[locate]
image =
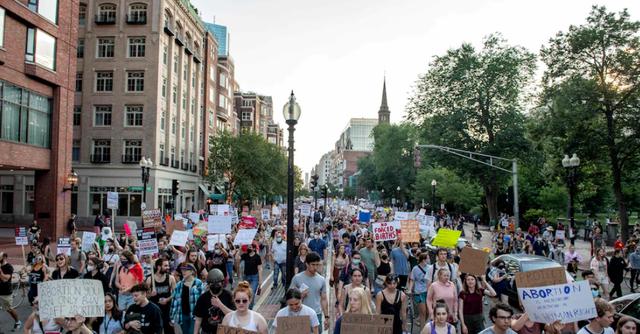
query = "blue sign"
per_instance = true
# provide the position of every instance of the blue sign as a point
(364, 216)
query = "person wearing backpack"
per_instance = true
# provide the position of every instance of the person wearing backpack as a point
(442, 263)
(418, 285)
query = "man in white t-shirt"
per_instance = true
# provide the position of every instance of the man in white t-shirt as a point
(279, 253)
(500, 315)
(604, 318)
(295, 308)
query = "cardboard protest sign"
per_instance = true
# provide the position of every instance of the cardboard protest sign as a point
(541, 277)
(194, 217)
(219, 224)
(233, 330)
(152, 218)
(560, 234)
(446, 238)
(410, 231)
(21, 236)
(305, 210)
(384, 231)
(71, 297)
(64, 246)
(292, 325)
(355, 323)
(245, 237)
(473, 261)
(213, 239)
(569, 302)
(364, 216)
(179, 238)
(175, 225)
(88, 238)
(265, 214)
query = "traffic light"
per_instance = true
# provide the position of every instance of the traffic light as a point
(325, 190)
(314, 181)
(175, 187)
(417, 158)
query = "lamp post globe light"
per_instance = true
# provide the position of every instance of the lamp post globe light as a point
(433, 196)
(571, 164)
(291, 113)
(145, 165)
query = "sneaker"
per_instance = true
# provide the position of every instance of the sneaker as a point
(17, 325)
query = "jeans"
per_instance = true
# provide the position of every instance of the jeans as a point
(253, 282)
(320, 318)
(230, 272)
(187, 324)
(124, 300)
(279, 268)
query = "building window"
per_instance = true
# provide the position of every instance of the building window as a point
(80, 48)
(165, 55)
(82, 14)
(133, 115)
(132, 150)
(222, 101)
(136, 47)
(107, 13)
(101, 150)
(106, 47)
(47, 8)
(162, 118)
(41, 48)
(104, 81)
(164, 87)
(6, 199)
(77, 115)
(185, 70)
(75, 150)
(175, 63)
(26, 116)
(1, 26)
(183, 132)
(135, 81)
(246, 116)
(138, 12)
(173, 153)
(78, 82)
(223, 80)
(184, 100)
(211, 118)
(174, 94)
(191, 134)
(193, 107)
(212, 94)
(102, 115)
(173, 125)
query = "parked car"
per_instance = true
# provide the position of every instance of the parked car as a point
(627, 305)
(516, 263)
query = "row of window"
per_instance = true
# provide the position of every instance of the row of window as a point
(107, 13)
(102, 115)
(40, 46)
(104, 81)
(25, 116)
(106, 46)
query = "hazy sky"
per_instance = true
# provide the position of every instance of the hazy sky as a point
(334, 53)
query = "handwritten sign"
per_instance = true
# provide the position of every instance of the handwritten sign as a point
(245, 237)
(112, 200)
(410, 231)
(213, 239)
(473, 261)
(152, 218)
(275, 211)
(384, 231)
(400, 216)
(179, 238)
(64, 246)
(446, 238)
(541, 277)
(247, 223)
(569, 302)
(305, 210)
(71, 297)
(265, 214)
(233, 330)
(292, 325)
(354, 323)
(88, 238)
(194, 217)
(219, 224)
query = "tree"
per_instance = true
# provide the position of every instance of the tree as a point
(474, 100)
(457, 194)
(593, 79)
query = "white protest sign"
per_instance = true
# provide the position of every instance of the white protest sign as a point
(194, 217)
(560, 234)
(219, 224)
(265, 214)
(223, 210)
(22, 241)
(384, 231)
(422, 212)
(275, 211)
(178, 216)
(112, 200)
(401, 216)
(179, 238)
(305, 210)
(213, 239)
(569, 302)
(64, 246)
(148, 247)
(245, 237)
(71, 297)
(88, 238)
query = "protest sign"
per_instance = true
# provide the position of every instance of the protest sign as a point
(179, 238)
(213, 239)
(88, 238)
(219, 224)
(22, 241)
(112, 200)
(560, 234)
(245, 237)
(364, 216)
(541, 277)
(199, 229)
(265, 214)
(410, 231)
(384, 231)
(247, 223)
(178, 216)
(422, 212)
(293, 325)
(147, 242)
(233, 330)
(21, 236)
(446, 238)
(133, 227)
(223, 210)
(275, 211)
(473, 261)
(569, 302)
(64, 246)
(152, 218)
(399, 216)
(194, 217)
(175, 225)
(355, 323)
(305, 210)
(70, 297)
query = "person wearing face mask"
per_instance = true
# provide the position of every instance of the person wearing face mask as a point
(161, 295)
(213, 305)
(38, 273)
(500, 280)
(94, 271)
(540, 247)
(217, 259)
(384, 268)
(279, 253)
(318, 245)
(128, 274)
(252, 269)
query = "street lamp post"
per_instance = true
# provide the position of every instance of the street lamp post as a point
(145, 165)
(398, 196)
(291, 112)
(433, 196)
(571, 164)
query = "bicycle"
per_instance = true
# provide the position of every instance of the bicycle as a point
(19, 287)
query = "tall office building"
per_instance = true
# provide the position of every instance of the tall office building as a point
(37, 71)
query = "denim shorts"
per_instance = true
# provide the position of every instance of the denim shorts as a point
(420, 298)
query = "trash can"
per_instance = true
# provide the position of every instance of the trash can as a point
(613, 229)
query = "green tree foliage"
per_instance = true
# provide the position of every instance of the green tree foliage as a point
(457, 194)
(591, 97)
(474, 100)
(252, 166)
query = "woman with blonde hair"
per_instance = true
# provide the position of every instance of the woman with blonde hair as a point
(243, 317)
(359, 302)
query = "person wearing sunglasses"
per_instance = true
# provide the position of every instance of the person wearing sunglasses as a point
(76, 325)
(63, 269)
(38, 273)
(243, 317)
(295, 308)
(185, 296)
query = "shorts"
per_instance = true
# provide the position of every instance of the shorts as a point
(6, 301)
(420, 298)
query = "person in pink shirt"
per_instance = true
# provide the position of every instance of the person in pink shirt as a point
(443, 289)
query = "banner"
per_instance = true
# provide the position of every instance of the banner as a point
(446, 238)
(179, 238)
(152, 218)
(569, 302)
(71, 297)
(219, 224)
(147, 242)
(384, 231)
(245, 237)
(88, 238)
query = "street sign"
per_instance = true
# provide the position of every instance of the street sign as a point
(112, 200)
(139, 188)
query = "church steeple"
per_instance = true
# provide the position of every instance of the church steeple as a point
(384, 113)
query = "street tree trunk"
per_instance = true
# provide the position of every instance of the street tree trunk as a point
(491, 197)
(617, 176)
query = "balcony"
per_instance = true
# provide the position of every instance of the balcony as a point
(105, 19)
(136, 19)
(179, 39)
(168, 29)
(131, 158)
(100, 158)
(194, 168)
(164, 161)
(175, 164)
(222, 114)
(185, 166)
(197, 58)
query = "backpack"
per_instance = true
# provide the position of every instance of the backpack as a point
(433, 272)
(317, 217)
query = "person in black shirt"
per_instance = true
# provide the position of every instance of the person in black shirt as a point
(143, 316)
(213, 305)
(94, 271)
(163, 291)
(6, 293)
(252, 269)
(63, 269)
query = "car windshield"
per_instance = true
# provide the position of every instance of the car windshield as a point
(633, 309)
(535, 265)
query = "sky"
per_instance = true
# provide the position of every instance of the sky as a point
(334, 54)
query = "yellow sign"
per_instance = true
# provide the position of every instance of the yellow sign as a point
(446, 238)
